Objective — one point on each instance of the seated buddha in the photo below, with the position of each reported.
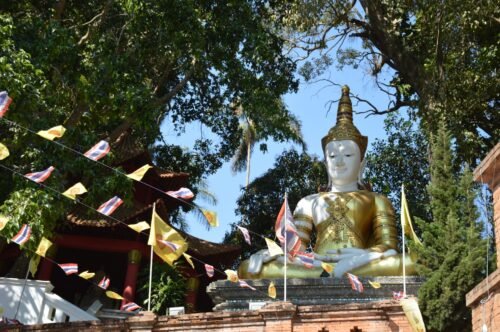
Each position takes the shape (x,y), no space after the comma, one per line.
(355,229)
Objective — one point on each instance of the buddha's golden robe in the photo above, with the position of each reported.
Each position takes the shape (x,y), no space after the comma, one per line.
(359,219)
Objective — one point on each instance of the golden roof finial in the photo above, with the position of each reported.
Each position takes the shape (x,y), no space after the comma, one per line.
(344,129)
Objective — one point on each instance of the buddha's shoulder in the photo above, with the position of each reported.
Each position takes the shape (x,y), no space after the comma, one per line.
(361,194)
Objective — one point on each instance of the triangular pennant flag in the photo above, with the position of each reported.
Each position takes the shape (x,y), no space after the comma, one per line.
(374,284)
(43,246)
(243,283)
(139,173)
(23,235)
(104,283)
(210,270)
(98,151)
(41,176)
(413,314)
(211,217)
(188,259)
(274,249)
(130,307)
(54,132)
(76,189)
(140,226)
(113,295)
(327,267)
(3,221)
(33,265)
(107,208)
(86,275)
(4,152)
(72,268)
(246,234)
(167,243)
(5,101)
(231,275)
(183,193)
(271,290)
(355,283)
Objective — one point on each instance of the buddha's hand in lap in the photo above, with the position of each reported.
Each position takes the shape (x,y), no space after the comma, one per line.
(256,261)
(348,259)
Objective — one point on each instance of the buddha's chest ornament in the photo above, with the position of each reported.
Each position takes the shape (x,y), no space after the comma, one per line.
(338,227)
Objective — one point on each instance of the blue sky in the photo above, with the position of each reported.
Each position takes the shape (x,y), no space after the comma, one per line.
(310,106)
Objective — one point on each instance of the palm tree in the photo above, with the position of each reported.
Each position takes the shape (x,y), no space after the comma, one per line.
(250,136)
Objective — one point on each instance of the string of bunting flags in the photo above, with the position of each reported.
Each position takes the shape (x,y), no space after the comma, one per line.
(165,241)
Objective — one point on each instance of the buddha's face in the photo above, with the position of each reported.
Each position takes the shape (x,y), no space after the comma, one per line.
(343,162)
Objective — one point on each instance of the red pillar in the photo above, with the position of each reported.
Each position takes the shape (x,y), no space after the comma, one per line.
(134,262)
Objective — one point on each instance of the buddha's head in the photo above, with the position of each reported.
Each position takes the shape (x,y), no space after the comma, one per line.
(344,147)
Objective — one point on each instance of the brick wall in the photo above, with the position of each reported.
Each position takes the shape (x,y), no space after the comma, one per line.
(484,299)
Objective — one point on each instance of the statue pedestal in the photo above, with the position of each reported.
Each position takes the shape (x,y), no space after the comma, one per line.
(228,296)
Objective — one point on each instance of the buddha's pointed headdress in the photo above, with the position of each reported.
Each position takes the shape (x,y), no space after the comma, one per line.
(344,129)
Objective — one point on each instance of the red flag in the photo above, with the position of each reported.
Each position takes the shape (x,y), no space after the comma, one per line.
(104,283)
(98,151)
(5,101)
(110,206)
(355,283)
(210,270)
(39,177)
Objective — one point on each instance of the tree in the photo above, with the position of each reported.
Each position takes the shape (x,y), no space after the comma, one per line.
(441,58)
(296,174)
(116,69)
(453,254)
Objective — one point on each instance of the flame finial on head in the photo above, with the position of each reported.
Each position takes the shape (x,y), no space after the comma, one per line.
(344,129)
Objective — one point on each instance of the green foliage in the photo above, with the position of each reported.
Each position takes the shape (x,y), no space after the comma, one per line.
(105,69)
(296,174)
(453,256)
(168,288)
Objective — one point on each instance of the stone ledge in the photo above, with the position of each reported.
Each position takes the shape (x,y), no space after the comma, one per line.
(479,292)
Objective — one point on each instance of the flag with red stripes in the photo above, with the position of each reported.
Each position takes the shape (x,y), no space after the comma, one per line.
(131,306)
(307,259)
(110,206)
(182,192)
(398,295)
(355,283)
(98,151)
(166,244)
(23,235)
(210,270)
(69,268)
(246,234)
(41,176)
(285,228)
(104,283)
(243,283)
(5,101)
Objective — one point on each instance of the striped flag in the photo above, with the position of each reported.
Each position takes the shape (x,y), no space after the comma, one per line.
(104,283)
(398,295)
(98,151)
(5,101)
(39,177)
(182,192)
(130,307)
(243,283)
(355,283)
(246,234)
(286,226)
(23,235)
(69,268)
(110,206)
(210,270)
(306,259)
(162,244)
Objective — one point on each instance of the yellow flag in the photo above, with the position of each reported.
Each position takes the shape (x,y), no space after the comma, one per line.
(87,274)
(140,226)
(211,217)
(139,173)
(76,189)
(3,221)
(166,242)
(43,246)
(231,275)
(413,314)
(54,132)
(188,259)
(406,220)
(113,295)
(374,284)
(4,152)
(274,249)
(33,265)
(271,290)
(327,267)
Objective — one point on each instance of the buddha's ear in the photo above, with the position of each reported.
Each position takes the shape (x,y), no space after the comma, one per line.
(361,171)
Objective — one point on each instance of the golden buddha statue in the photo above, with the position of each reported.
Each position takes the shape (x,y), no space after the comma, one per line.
(355,229)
